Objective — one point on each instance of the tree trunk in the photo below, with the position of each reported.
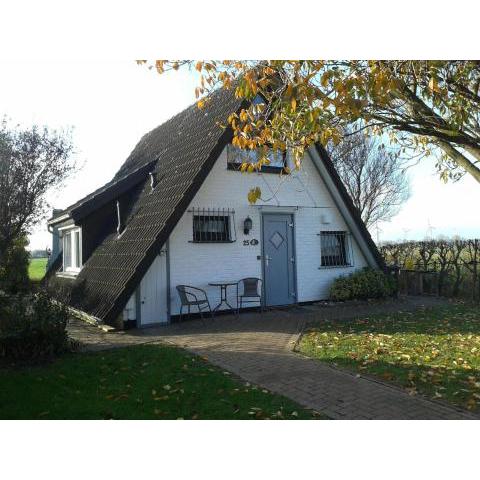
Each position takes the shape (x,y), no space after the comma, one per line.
(474,152)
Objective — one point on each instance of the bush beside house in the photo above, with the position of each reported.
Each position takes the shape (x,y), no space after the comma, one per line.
(14,268)
(362,285)
(32,327)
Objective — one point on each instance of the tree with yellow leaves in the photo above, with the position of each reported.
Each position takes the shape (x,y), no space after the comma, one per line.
(425,106)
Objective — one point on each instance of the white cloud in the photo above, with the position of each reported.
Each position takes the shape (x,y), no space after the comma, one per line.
(449,209)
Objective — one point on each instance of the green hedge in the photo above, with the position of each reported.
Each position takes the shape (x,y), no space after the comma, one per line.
(363,284)
(32,327)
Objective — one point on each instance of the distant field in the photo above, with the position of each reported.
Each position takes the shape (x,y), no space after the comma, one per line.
(36,269)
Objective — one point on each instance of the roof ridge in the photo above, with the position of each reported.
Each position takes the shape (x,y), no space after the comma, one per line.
(170,120)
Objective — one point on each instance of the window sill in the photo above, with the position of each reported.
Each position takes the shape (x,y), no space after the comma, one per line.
(323,267)
(70,275)
(211,241)
(264,169)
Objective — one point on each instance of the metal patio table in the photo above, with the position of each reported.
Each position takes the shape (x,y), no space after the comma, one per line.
(223,293)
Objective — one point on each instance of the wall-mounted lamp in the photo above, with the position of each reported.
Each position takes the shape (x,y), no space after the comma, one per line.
(247,225)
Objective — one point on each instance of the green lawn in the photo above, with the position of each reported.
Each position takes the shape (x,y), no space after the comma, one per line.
(141,382)
(435,352)
(37,268)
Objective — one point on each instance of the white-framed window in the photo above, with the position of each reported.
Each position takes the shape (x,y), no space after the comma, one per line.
(236,156)
(72,249)
(335,249)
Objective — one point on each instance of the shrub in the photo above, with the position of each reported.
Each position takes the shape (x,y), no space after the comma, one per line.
(14,268)
(363,284)
(60,289)
(32,327)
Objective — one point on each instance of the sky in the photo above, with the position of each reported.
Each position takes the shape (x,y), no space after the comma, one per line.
(111,105)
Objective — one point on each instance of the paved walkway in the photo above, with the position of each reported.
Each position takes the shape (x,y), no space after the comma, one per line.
(259,348)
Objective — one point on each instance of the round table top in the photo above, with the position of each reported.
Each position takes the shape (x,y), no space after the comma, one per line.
(222,284)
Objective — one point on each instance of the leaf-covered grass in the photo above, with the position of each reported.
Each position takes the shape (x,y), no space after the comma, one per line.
(141,382)
(435,352)
(37,268)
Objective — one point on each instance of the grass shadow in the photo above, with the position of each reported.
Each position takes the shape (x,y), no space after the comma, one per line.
(432,351)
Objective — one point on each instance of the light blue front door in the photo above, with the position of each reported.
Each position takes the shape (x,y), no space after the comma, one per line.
(278,259)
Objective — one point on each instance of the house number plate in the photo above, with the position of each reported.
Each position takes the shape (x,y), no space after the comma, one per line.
(253,242)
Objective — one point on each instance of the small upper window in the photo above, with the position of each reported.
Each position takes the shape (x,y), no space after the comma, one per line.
(236,156)
(335,249)
(72,250)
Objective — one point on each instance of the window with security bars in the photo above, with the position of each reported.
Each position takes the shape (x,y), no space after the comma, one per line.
(335,249)
(210,226)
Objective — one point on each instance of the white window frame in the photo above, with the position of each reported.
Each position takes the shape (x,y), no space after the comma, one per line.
(237,156)
(76,256)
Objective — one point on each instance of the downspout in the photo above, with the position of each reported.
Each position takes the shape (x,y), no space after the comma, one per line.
(138,309)
(55,248)
(167,261)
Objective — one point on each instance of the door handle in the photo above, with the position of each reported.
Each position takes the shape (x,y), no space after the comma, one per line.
(267,258)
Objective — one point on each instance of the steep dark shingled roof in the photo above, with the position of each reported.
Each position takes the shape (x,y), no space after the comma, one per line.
(185,149)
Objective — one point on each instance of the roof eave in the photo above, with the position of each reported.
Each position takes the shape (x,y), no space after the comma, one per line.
(99,199)
(59,219)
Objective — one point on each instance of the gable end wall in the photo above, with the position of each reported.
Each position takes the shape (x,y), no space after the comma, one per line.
(303,194)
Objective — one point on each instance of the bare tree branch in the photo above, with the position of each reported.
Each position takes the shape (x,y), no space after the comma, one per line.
(32,162)
(373,177)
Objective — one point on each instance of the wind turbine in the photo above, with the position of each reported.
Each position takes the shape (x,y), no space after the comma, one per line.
(430,229)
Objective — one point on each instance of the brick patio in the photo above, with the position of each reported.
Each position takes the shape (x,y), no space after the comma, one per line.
(260,349)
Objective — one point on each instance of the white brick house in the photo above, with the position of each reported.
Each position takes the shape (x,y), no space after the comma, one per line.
(179,206)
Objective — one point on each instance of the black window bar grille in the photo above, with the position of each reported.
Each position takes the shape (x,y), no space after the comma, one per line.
(213,225)
(335,249)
